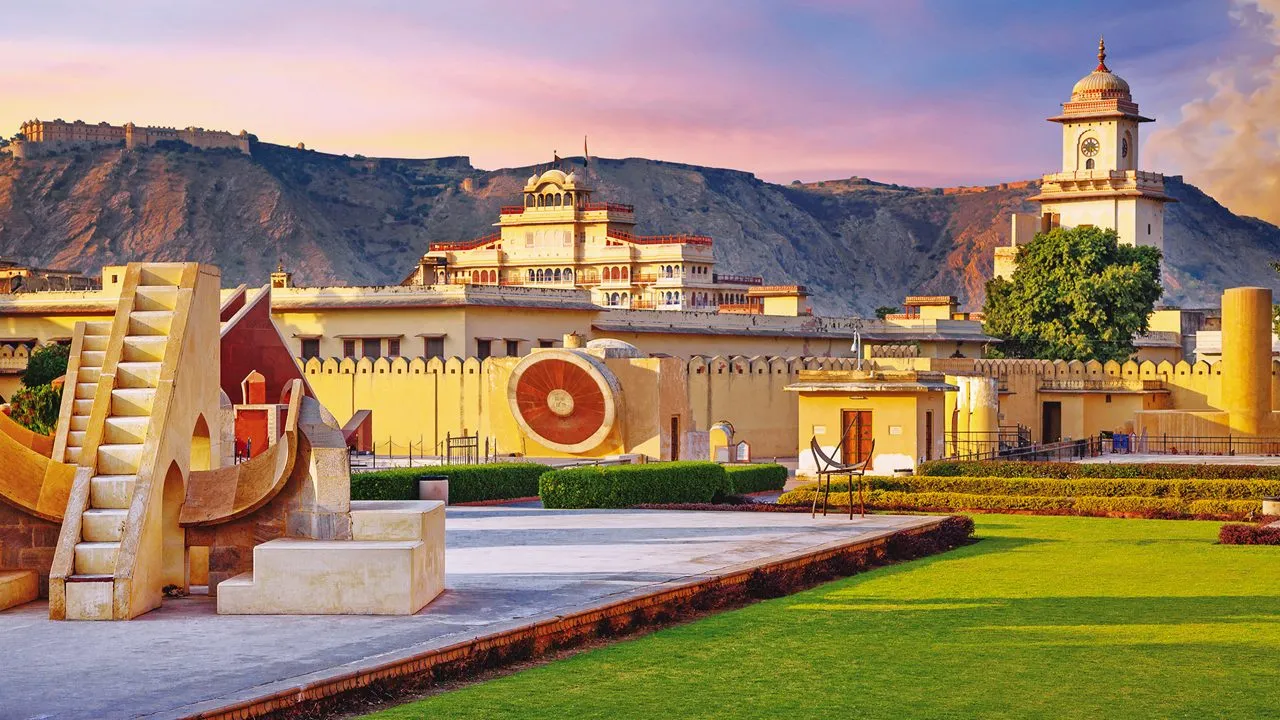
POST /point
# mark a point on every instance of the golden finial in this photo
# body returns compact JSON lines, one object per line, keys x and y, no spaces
{"x":280,"y":265}
{"x":1102,"y":55}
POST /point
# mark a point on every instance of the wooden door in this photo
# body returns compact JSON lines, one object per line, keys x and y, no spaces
{"x":1051,"y":422}
{"x":857,"y":435}
{"x":928,"y":435}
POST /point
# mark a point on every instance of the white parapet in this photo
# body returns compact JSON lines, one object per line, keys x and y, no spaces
{"x":394,"y":565}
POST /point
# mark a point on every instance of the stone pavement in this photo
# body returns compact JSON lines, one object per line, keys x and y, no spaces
{"x":506,"y":567}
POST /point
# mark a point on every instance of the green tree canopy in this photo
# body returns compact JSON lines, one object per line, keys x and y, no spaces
{"x":46,"y":365}
{"x":1076,"y":295}
{"x":886,"y":310}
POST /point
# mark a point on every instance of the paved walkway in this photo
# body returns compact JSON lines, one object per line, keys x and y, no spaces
{"x":506,"y":566}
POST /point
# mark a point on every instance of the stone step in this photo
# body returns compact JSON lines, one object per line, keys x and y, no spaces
{"x":86,"y":390}
{"x":103,"y":524}
{"x":144,"y":348}
{"x":125,"y":430}
{"x":90,"y":596}
{"x":93,"y":358}
{"x":111,"y":491}
{"x":89,"y":375}
{"x":169,"y":275}
{"x":75,"y":438}
{"x":137,"y":374}
{"x":79,"y":423}
{"x":73,"y":455}
{"x":132,"y":401}
{"x":150,"y":322}
{"x":119,"y":459}
{"x":97,"y":327}
{"x":155,"y":298}
{"x":96,"y":558}
{"x":95,"y":342}
{"x":82,"y":407}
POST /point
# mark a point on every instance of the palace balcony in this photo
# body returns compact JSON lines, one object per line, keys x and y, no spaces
{"x":1101,"y":385}
{"x":724,"y":279}
{"x":464,"y":244}
{"x":701,"y":240}
{"x":741,"y":309}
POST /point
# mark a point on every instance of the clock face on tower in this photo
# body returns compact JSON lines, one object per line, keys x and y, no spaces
{"x":1090,"y":147}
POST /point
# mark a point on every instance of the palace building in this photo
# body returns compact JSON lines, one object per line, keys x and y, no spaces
{"x":1100,"y":183}
{"x":560,"y":238}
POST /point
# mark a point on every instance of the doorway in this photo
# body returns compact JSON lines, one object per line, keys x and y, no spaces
{"x":856,"y":444}
{"x":675,"y":437}
{"x":1051,"y":422}
{"x":928,"y":435}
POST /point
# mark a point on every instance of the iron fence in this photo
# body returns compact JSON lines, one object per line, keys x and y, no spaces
{"x":1131,"y":444}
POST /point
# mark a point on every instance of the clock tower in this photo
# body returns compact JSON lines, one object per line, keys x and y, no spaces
{"x":1100,"y":184}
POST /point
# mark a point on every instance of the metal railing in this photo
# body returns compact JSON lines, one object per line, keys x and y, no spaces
{"x":737,"y":279}
{"x":1131,"y":444}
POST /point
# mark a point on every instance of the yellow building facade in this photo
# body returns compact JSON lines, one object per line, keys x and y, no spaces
{"x":560,"y":237}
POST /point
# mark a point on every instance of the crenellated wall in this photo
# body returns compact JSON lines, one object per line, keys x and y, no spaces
{"x":421,"y":401}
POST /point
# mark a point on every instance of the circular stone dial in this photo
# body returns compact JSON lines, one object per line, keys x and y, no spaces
{"x":564,"y":401}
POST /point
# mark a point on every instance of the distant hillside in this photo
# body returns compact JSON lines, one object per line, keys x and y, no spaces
{"x":857,"y":244}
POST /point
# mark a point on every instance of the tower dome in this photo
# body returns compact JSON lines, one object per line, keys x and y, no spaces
{"x":1101,"y":84}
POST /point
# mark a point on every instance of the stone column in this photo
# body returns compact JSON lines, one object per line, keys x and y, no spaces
{"x":1246,"y":358}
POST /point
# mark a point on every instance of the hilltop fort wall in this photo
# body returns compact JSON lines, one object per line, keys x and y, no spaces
{"x":38,"y":137}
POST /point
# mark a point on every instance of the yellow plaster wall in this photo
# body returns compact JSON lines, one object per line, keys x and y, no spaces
{"x":820,"y":416}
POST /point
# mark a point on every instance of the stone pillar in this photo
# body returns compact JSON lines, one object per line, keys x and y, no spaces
{"x":1246,"y":358}
{"x":984,"y":406}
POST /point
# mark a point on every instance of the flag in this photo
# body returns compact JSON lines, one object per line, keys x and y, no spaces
{"x":586,"y":156}
{"x":555,"y":157}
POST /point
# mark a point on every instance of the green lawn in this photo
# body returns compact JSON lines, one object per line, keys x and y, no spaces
{"x":1056,"y":617}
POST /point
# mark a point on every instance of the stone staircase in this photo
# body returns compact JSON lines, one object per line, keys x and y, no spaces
{"x":114,"y":423}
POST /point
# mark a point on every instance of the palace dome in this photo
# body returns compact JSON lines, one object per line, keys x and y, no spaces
{"x":1101,"y":84}
{"x":552,"y":176}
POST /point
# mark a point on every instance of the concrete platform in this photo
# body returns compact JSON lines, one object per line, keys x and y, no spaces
{"x":507,"y":569}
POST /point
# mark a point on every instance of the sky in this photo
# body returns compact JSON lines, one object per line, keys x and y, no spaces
{"x":922,"y":92}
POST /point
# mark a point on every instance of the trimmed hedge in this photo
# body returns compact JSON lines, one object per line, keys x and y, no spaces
{"x":1102,"y":487}
{"x":620,"y":486}
{"x":745,"y":479}
{"x":467,"y":483}
{"x":1242,"y":534}
{"x":1066,"y":470}
{"x":1080,"y":505}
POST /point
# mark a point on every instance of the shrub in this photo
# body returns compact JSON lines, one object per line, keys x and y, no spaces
{"x":1102,"y":487}
{"x":756,"y":478}
{"x":1242,"y":534}
{"x":36,"y":408}
{"x":467,"y":483}
{"x":1066,"y":470}
{"x":619,"y":486}
{"x":1170,"y":507}
{"x":45,"y":365}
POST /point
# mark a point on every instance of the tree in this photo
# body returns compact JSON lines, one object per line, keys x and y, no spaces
{"x":36,"y":408}
{"x":885,"y":310}
{"x":1076,"y":295}
{"x":45,"y":365}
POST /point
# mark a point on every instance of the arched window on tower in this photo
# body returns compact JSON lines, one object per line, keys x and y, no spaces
{"x":557,"y":274}
{"x":1088,"y":164}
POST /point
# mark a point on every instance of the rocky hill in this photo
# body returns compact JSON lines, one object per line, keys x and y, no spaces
{"x":332,"y":219}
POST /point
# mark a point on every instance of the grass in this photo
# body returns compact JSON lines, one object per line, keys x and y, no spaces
{"x":1053,"y":617}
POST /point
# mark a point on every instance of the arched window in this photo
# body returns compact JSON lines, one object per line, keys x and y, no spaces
{"x":568,"y":274}
{"x":528,"y":201}
{"x":531,"y":276}
{"x":539,"y":275}
{"x":613,"y":298}
{"x":568,"y":199}
{"x":557,"y":274}
{"x":1088,"y":164}
{"x":624,"y":273}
